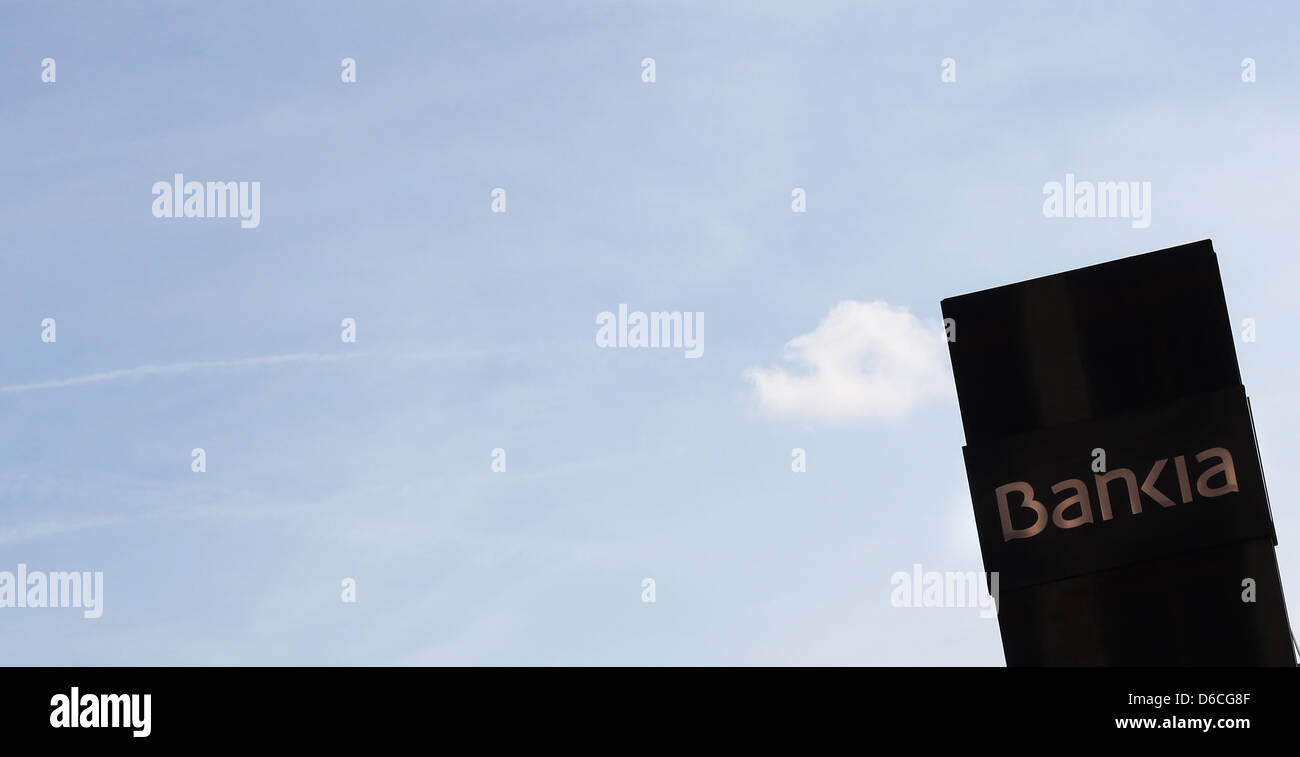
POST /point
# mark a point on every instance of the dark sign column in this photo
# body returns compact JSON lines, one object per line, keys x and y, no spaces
{"x":1113,"y":467}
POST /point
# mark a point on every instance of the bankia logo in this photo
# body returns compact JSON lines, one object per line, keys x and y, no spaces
{"x":1216,"y":477}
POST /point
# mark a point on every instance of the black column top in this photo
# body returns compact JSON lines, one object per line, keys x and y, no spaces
{"x":1127,"y":335}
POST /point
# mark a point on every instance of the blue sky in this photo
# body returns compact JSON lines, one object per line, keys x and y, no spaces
{"x":476,"y":329}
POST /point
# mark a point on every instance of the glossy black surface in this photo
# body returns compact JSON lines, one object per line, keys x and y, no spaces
{"x":1135,"y":355}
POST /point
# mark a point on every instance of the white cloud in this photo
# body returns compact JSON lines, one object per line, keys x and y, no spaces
{"x":865,"y":360}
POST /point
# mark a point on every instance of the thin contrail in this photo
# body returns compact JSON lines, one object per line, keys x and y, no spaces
{"x":52,"y":528}
{"x":144,"y":371}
